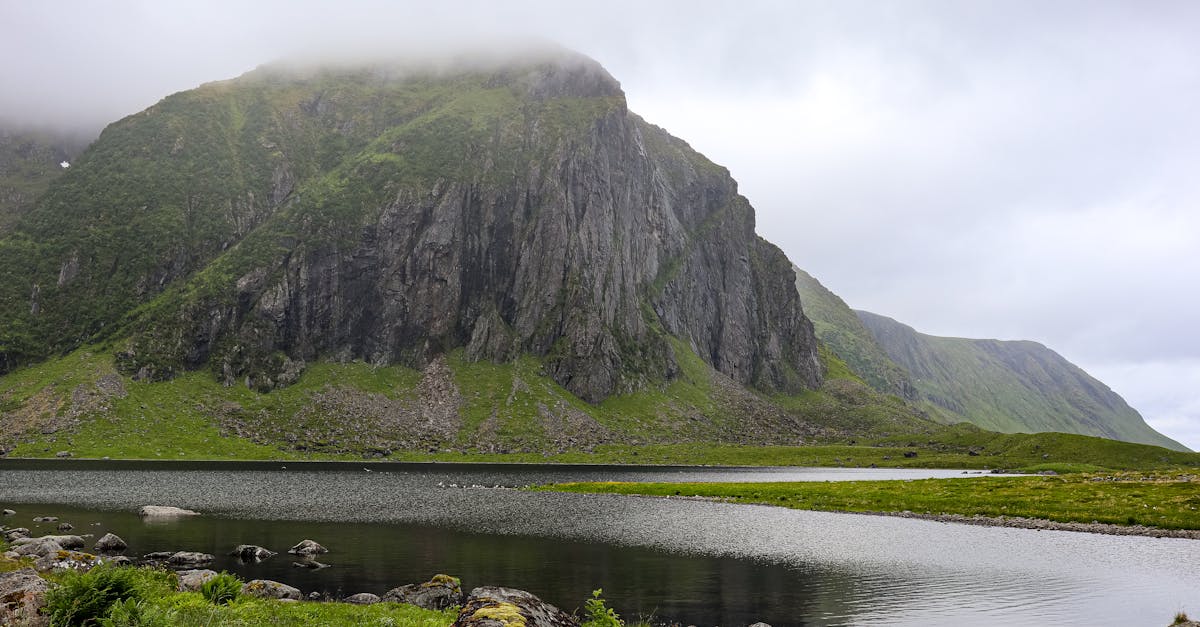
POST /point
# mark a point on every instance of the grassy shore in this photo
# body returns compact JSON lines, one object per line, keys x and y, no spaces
{"x":1164,"y":502}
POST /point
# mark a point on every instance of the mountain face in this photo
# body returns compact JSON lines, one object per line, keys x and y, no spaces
{"x":29,"y":161}
{"x":393,"y":214}
{"x":1009,"y":386}
{"x":838,"y":327}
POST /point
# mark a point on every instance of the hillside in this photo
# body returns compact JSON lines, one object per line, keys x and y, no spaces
{"x":1010,"y":386}
{"x":840,"y":329}
{"x":360,"y":260}
{"x":29,"y":161}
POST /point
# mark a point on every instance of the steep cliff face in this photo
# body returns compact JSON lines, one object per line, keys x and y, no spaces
{"x":392,"y":214}
{"x":1010,"y":386}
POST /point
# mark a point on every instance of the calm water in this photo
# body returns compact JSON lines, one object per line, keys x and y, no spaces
{"x":691,"y":561}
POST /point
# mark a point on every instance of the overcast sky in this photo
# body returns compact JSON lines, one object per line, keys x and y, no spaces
{"x":1016,"y":170}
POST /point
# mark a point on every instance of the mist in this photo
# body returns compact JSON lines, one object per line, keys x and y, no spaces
{"x":1017,"y":170}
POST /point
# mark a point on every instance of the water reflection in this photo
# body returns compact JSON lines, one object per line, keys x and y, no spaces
{"x":693,"y":561}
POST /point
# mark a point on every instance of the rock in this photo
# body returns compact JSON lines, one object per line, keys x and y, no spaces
{"x":362,"y":598}
{"x":8,"y":512}
{"x":251,"y":553}
{"x":314,"y":596}
{"x":119,"y":560}
{"x":307,"y":547}
{"x":192,"y":580}
{"x":910,"y":454}
{"x":16,"y":533}
{"x":189,"y":558}
{"x":157,"y":556}
{"x":760,"y":625}
{"x":310,"y":563}
{"x":63,"y":454}
{"x":110,"y":543}
{"x":46,"y":519}
{"x":439,"y":593}
{"x":36,"y":547}
{"x":164,"y":511}
{"x":67,"y":542}
{"x":267,"y":589}
{"x":506,"y":607}
{"x":22,"y":594}
{"x":65,"y":526}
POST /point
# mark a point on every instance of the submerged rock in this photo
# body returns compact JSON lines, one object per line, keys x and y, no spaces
{"x":307,"y":547}
{"x":309,"y":562}
{"x":439,"y":593}
{"x":267,"y":589}
{"x":506,"y":607}
{"x":251,"y":553}
{"x":164,"y":511}
{"x":46,"y":519}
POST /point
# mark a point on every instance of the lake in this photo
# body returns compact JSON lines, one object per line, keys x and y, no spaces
{"x":690,"y":561}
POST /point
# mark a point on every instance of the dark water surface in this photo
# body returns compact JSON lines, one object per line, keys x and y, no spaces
{"x":692,"y":561}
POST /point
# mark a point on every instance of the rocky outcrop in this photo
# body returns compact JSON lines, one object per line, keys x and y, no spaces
{"x":439,"y":593}
{"x":507,"y":607}
{"x":22,"y":595}
{"x":189,"y":559}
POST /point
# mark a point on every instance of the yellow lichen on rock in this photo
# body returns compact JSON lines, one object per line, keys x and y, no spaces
{"x":506,"y":613}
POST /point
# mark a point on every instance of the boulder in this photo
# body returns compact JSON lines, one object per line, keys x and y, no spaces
{"x":46,"y":519}
{"x":16,"y":533}
{"x":65,"y":526}
{"x":7,"y":512}
{"x":188,"y":559}
{"x":67,"y":542}
{"x":63,"y":454}
{"x":157,"y":556}
{"x":439,"y":593}
{"x":22,"y":594}
{"x":110,"y":543}
{"x":36,"y":547}
{"x":506,"y":607}
{"x":164,"y":511}
{"x":192,"y":580}
{"x":119,"y":560}
{"x":267,"y":589}
{"x":307,"y":547}
{"x":362,"y":598}
{"x":251,"y":553}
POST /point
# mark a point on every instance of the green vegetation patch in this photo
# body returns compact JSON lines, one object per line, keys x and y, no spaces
{"x":1121,"y":500}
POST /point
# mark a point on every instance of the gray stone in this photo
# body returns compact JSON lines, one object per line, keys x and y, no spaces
{"x":309,"y":562}
{"x":16,"y":533}
{"x":37,"y":547}
{"x":45,"y":519}
{"x":307,"y":547}
{"x":65,"y":526}
{"x":185,"y":559}
{"x":439,"y":593}
{"x":362,"y":598}
{"x":267,"y":589}
{"x":63,"y":454}
{"x":67,"y":560}
{"x":8,"y":512}
{"x":110,"y":543}
{"x":193,"y":580}
{"x":501,"y":607}
{"x":67,"y":542}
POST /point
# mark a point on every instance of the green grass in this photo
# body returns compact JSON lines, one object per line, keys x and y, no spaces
{"x":1166,"y":504}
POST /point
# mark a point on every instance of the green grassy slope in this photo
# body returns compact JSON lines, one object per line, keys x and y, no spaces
{"x":839,"y":329}
{"x":29,"y":162}
{"x":1010,"y":386}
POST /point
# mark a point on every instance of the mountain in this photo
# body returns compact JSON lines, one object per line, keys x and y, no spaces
{"x":1010,"y":386}
{"x":478,"y":255}
{"x":29,"y":160}
{"x":392,"y":213}
{"x":837,"y":326}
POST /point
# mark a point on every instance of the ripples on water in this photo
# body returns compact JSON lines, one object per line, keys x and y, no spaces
{"x":698,"y":562}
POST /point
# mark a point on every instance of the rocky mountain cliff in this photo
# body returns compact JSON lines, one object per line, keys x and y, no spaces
{"x":392,"y":214}
{"x":1009,"y":386}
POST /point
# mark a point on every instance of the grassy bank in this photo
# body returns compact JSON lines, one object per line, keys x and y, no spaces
{"x":1162,"y":502}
